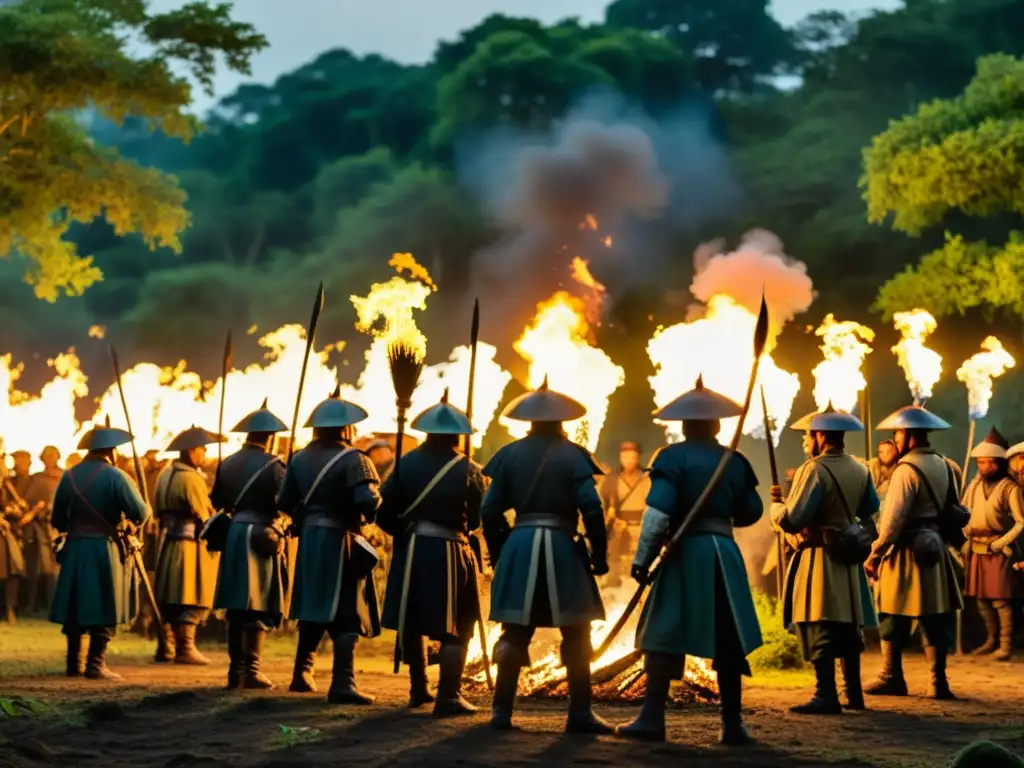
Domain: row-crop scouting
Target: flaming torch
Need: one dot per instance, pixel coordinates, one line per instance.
(922, 366)
(977, 372)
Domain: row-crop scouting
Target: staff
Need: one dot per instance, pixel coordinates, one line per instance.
(780, 542)
(318, 305)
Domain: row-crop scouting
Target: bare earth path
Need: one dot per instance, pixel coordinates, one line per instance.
(176, 717)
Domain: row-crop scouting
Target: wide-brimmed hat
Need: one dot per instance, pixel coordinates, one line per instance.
(544, 404)
(103, 438)
(443, 419)
(913, 417)
(260, 421)
(336, 412)
(699, 404)
(194, 437)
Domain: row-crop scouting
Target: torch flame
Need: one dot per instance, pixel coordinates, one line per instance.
(978, 371)
(404, 262)
(838, 378)
(922, 366)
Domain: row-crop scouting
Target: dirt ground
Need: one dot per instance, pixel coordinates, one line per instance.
(175, 717)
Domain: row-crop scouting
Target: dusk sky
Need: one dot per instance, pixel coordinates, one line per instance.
(408, 30)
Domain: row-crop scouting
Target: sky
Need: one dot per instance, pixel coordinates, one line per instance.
(408, 30)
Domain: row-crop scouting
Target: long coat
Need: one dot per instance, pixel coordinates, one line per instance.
(94, 588)
(679, 617)
(250, 580)
(38, 548)
(819, 587)
(186, 572)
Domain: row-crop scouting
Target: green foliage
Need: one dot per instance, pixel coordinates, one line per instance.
(289, 737)
(21, 707)
(781, 649)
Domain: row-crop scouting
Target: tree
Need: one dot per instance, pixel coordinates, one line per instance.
(62, 61)
(956, 157)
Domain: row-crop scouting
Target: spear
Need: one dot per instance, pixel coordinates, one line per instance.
(318, 306)
(760, 339)
(780, 547)
(225, 366)
(406, 366)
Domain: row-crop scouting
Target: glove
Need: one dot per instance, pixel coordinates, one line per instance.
(593, 524)
(640, 574)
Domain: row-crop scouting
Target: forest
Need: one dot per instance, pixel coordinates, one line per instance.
(326, 172)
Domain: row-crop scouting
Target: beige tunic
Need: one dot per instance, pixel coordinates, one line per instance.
(819, 588)
(880, 476)
(997, 515)
(903, 588)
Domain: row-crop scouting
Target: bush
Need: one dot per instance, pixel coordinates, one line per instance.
(781, 649)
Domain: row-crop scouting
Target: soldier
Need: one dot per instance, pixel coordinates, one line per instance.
(687, 614)
(12, 560)
(432, 510)
(997, 520)
(96, 589)
(252, 585)
(914, 573)
(622, 494)
(543, 575)
(383, 458)
(72, 461)
(331, 490)
(1015, 457)
(828, 600)
(185, 571)
(40, 565)
(882, 465)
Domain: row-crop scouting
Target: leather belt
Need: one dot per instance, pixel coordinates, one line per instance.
(437, 531)
(711, 525)
(546, 521)
(248, 517)
(325, 520)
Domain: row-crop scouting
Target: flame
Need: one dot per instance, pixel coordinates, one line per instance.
(404, 262)
(719, 347)
(978, 371)
(597, 292)
(556, 346)
(838, 378)
(589, 222)
(97, 331)
(922, 366)
(607, 241)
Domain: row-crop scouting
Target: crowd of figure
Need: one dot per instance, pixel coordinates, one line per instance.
(276, 539)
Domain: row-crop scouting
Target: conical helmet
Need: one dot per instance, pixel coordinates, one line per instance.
(261, 420)
(803, 424)
(544, 404)
(832, 420)
(194, 437)
(699, 404)
(443, 419)
(994, 446)
(335, 412)
(102, 438)
(913, 417)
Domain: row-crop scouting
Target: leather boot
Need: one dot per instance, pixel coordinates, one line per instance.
(235, 655)
(449, 688)
(730, 689)
(414, 651)
(187, 653)
(890, 680)
(850, 667)
(11, 586)
(825, 700)
(74, 658)
(938, 688)
(343, 681)
(505, 688)
(303, 680)
(650, 725)
(990, 619)
(95, 665)
(581, 715)
(1005, 652)
(165, 645)
(252, 651)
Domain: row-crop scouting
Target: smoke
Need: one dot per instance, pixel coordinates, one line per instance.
(758, 264)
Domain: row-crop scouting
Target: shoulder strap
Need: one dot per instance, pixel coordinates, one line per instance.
(323, 473)
(536, 477)
(86, 503)
(431, 485)
(167, 488)
(928, 486)
(839, 491)
(251, 480)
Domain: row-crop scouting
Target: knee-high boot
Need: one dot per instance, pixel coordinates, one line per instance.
(343, 681)
(730, 689)
(96, 665)
(850, 667)
(825, 700)
(449, 689)
(990, 619)
(938, 688)
(505, 688)
(165, 645)
(1005, 610)
(414, 652)
(74, 657)
(650, 724)
(235, 661)
(252, 652)
(890, 680)
(581, 714)
(303, 680)
(187, 653)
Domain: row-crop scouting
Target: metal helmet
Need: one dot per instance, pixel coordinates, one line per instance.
(912, 417)
(335, 412)
(699, 404)
(103, 438)
(443, 419)
(194, 437)
(994, 446)
(261, 420)
(831, 420)
(544, 404)
(803, 424)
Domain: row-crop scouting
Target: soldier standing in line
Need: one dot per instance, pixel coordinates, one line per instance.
(622, 494)
(915, 580)
(12, 559)
(331, 490)
(686, 612)
(96, 591)
(543, 574)
(827, 597)
(997, 520)
(186, 572)
(252, 585)
(432, 510)
(882, 465)
(40, 564)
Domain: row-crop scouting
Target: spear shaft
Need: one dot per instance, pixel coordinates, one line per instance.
(318, 306)
(780, 544)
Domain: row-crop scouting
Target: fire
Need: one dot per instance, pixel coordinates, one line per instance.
(718, 346)
(838, 378)
(597, 292)
(393, 303)
(589, 222)
(556, 346)
(404, 262)
(978, 371)
(922, 366)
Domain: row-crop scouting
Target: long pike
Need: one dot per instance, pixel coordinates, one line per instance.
(760, 339)
(318, 306)
(780, 542)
